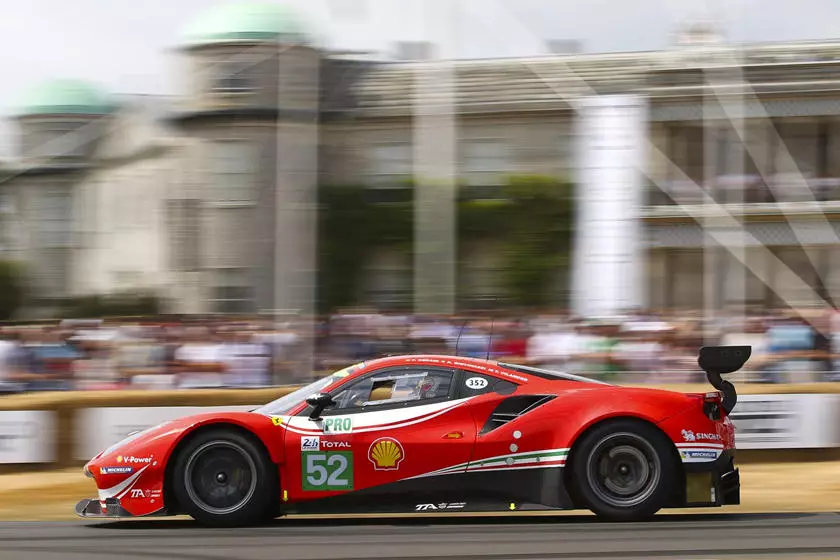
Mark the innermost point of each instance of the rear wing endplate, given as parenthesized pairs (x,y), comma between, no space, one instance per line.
(720,360)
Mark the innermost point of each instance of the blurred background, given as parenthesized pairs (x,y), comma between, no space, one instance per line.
(205,203)
(237,194)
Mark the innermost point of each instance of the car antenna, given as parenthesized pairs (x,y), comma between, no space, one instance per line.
(460,331)
(490,338)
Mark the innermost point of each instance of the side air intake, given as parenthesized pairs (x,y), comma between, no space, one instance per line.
(512,408)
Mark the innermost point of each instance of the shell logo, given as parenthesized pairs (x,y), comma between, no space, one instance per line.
(119,459)
(386,454)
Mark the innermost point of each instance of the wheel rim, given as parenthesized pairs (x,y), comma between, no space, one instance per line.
(623,469)
(220,477)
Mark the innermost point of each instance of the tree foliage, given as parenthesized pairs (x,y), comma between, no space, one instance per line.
(12,289)
(531,220)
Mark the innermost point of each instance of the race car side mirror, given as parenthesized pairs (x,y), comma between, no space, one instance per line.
(318,402)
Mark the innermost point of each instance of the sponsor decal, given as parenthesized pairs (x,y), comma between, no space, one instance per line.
(689,435)
(116,470)
(467,366)
(329,444)
(338,425)
(476,383)
(310,443)
(327,471)
(698,454)
(386,454)
(315,443)
(145,494)
(444,506)
(132,460)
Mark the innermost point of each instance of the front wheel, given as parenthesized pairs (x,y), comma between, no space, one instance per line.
(624,470)
(222,478)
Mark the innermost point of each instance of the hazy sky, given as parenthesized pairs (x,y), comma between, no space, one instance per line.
(129,46)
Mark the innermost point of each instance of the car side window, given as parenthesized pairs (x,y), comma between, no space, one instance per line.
(394,388)
(472,384)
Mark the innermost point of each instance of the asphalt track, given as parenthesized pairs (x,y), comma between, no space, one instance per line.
(430,537)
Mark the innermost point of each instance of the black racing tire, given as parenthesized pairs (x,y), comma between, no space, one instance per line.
(223,478)
(624,470)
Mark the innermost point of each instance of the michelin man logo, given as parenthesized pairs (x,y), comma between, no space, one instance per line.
(688,435)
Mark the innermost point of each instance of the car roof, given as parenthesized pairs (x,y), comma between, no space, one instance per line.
(523,374)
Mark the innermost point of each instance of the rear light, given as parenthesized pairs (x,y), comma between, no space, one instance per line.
(712,406)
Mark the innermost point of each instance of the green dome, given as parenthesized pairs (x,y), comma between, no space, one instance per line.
(64,97)
(237,22)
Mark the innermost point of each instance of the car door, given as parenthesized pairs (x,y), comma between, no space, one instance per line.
(388,426)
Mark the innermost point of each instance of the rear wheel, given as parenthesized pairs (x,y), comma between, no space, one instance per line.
(624,470)
(222,478)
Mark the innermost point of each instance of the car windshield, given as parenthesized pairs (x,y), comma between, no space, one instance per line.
(286,403)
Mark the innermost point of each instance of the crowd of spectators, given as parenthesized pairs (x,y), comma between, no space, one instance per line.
(788,346)
(636,348)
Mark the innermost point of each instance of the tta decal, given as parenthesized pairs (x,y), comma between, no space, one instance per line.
(436,507)
(386,454)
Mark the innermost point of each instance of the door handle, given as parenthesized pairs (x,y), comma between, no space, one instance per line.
(453,435)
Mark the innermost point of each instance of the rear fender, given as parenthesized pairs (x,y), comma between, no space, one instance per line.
(650,405)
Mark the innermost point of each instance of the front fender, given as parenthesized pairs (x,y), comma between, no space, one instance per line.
(134,471)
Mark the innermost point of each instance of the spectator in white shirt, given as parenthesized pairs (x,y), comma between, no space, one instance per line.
(200,360)
(247,362)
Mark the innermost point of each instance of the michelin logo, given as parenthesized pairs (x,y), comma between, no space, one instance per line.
(116,470)
(694,454)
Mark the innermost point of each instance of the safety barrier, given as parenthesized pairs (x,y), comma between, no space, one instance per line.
(65,429)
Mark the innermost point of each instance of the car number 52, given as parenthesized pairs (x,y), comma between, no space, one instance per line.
(327,471)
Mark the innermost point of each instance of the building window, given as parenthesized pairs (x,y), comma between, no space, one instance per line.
(183,222)
(7,220)
(564,144)
(233,165)
(232,291)
(484,163)
(388,276)
(53,219)
(57,140)
(234,77)
(390,165)
(298,77)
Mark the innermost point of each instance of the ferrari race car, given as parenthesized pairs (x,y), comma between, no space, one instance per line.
(435,434)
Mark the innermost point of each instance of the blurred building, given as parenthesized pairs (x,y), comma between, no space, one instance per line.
(201,198)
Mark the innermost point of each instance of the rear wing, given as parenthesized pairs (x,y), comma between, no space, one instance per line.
(720,360)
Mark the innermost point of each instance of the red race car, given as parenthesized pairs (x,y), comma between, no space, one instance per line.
(440,434)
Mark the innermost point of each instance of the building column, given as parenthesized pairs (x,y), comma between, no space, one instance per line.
(435,166)
(608,272)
